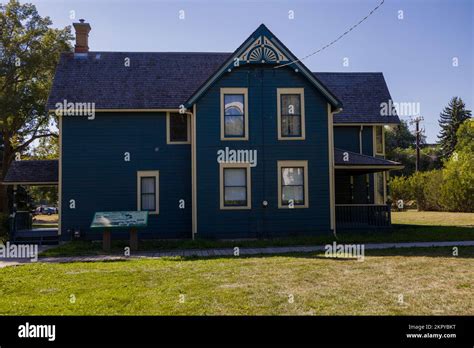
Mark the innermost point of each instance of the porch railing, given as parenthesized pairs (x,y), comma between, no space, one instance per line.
(20,220)
(359,216)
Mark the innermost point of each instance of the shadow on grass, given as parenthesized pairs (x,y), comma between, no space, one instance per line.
(464,252)
(399,234)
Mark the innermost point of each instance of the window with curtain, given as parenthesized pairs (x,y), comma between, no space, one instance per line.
(178,127)
(148,193)
(290,111)
(235,187)
(234,115)
(292,185)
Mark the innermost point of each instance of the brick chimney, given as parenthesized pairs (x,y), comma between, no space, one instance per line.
(82,36)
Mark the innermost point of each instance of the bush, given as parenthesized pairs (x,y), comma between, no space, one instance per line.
(423,187)
(447,189)
(400,188)
(457,190)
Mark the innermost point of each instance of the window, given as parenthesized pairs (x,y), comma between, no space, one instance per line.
(147,191)
(234,114)
(293,184)
(379,140)
(291,121)
(177,128)
(235,184)
(379,185)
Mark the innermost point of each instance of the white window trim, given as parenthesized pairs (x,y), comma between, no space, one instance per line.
(377,195)
(299,91)
(374,131)
(149,173)
(168,132)
(243,91)
(284,164)
(246,166)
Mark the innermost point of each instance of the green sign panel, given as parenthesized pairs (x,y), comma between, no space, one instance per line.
(120,219)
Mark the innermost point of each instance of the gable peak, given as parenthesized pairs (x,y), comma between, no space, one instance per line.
(262,48)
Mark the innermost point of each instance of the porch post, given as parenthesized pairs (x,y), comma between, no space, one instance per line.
(15,188)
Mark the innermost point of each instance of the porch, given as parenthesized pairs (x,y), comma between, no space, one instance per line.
(30,173)
(361,195)
(360,216)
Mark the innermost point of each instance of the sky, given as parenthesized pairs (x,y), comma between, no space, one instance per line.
(423,47)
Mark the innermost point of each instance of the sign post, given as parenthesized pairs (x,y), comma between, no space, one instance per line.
(119,219)
(106,240)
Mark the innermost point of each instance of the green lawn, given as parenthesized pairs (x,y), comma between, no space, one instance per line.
(430,280)
(433,218)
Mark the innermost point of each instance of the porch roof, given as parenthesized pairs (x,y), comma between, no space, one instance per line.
(34,172)
(348,160)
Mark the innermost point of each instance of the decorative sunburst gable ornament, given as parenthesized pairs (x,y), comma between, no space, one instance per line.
(263,50)
(262,47)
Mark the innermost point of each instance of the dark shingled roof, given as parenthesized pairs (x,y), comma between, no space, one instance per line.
(166,80)
(361,95)
(40,172)
(152,81)
(357,159)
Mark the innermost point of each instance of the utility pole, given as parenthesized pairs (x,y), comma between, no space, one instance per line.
(417,121)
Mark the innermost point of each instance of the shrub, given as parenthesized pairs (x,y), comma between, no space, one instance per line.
(400,188)
(423,187)
(447,189)
(457,191)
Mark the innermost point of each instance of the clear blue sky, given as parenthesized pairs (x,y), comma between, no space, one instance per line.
(415,53)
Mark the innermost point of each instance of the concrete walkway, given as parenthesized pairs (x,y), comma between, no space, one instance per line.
(226,252)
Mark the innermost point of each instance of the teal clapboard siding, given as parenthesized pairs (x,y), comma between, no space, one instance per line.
(96,176)
(262,83)
(347,138)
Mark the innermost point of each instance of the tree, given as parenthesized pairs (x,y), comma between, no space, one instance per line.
(29,52)
(465,135)
(46,148)
(457,190)
(447,189)
(430,158)
(450,119)
(400,136)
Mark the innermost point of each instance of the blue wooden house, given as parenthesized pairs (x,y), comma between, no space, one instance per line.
(248,144)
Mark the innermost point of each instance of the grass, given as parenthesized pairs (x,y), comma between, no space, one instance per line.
(408,227)
(431,280)
(45,221)
(433,218)
(409,234)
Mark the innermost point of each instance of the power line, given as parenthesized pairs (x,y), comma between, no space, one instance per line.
(336,40)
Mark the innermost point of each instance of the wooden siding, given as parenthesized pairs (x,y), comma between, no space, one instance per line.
(96,176)
(347,138)
(262,83)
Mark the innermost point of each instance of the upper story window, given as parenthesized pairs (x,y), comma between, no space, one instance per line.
(291,121)
(177,128)
(234,114)
(293,184)
(379,140)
